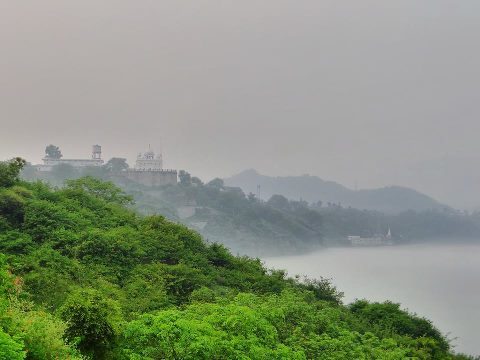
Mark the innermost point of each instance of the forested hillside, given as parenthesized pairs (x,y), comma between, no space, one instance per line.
(82,276)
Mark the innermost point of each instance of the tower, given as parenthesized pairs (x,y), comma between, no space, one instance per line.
(389,233)
(96,152)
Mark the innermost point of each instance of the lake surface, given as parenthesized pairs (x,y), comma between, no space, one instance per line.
(440,282)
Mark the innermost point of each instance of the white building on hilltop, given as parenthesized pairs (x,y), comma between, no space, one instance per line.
(149,162)
(96,160)
(149,171)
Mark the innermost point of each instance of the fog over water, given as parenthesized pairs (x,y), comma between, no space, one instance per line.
(439,282)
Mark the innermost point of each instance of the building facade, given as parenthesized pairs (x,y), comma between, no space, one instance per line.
(151,177)
(149,162)
(356,240)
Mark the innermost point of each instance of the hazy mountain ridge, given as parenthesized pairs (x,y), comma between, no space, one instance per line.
(391,199)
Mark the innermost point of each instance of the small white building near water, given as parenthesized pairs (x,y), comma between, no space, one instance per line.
(356,240)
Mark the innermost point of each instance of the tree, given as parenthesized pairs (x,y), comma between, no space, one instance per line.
(251,197)
(53,152)
(147,286)
(216,183)
(197,181)
(102,189)
(10,349)
(25,332)
(206,331)
(387,317)
(91,320)
(42,335)
(279,202)
(10,171)
(11,206)
(116,164)
(324,290)
(42,217)
(185,177)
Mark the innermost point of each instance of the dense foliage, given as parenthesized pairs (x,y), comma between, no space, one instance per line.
(82,276)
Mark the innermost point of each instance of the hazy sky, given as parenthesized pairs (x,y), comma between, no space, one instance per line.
(346,90)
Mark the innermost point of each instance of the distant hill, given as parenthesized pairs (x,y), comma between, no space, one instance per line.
(392,199)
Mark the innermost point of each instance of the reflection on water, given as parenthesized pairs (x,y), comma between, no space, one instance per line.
(440,282)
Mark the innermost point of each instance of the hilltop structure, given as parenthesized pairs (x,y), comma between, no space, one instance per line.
(52,159)
(148,169)
(149,162)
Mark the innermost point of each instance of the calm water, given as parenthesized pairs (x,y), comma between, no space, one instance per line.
(440,282)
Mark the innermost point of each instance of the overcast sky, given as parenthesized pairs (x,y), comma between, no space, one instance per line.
(346,90)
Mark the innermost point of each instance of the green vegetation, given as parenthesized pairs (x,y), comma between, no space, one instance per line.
(82,276)
(247,225)
(53,152)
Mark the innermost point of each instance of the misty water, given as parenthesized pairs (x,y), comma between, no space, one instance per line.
(440,282)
